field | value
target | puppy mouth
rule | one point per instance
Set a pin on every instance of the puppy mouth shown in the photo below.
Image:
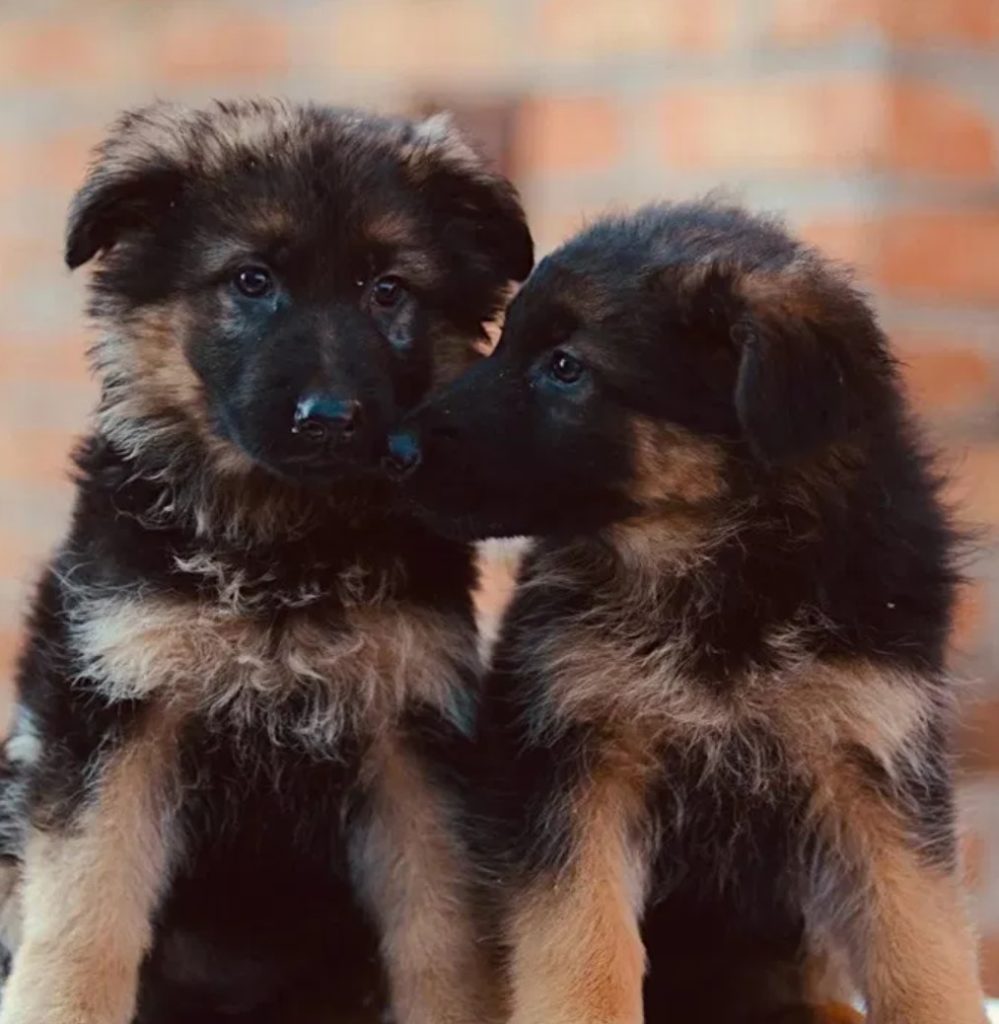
(321, 469)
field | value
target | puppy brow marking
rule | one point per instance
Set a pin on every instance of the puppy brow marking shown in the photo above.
(577, 955)
(81, 948)
(416, 878)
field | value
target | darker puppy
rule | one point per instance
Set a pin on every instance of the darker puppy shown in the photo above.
(240, 658)
(718, 717)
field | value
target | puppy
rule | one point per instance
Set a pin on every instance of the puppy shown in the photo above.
(221, 784)
(718, 717)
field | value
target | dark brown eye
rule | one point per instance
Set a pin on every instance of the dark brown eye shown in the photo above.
(565, 368)
(387, 291)
(254, 282)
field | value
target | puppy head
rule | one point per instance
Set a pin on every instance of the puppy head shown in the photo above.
(276, 281)
(663, 362)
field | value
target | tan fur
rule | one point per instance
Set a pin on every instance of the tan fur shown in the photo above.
(605, 668)
(90, 890)
(906, 929)
(791, 291)
(226, 659)
(837, 1013)
(674, 466)
(151, 391)
(576, 953)
(606, 665)
(416, 878)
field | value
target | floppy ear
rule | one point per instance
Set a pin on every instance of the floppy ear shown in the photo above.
(135, 176)
(791, 395)
(486, 223)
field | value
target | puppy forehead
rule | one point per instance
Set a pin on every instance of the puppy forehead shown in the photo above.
(289, 211)
(617, 270)
(293, 222)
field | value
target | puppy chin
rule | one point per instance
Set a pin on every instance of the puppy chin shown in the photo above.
(450, 513)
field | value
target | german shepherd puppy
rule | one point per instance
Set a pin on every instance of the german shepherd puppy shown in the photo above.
(241, 658)
(718, 714)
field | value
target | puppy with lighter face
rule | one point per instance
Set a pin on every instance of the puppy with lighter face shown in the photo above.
(717, 721)
(244, 668)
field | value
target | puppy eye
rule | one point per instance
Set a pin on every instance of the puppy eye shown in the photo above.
(387, 291)
(254, 282)
(565, 368)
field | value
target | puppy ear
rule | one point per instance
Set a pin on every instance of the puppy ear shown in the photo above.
(486, 223)
(791, 394)
(812, 358)
(136, 174)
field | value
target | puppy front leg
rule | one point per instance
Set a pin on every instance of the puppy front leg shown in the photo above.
(417, 880)
(90, 888)
(576, 952)
(904, 924)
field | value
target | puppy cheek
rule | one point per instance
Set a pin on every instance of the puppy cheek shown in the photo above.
(670, 464)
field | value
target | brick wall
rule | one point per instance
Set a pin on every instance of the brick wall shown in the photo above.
(872, 123)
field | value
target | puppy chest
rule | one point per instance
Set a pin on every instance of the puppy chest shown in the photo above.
(261, 890)
(312, 671)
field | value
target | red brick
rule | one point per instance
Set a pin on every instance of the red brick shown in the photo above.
(974, 483)
(843, 122)
(568, 134)
(585, 29)
(28, 254)
(969, 617)
(551, 228)
(948, 255)
(35, 456)
(932, 130)
(47, 359)
(51, 51)
(827, 124)
(978, 738)
(850, 238)
(61, 160)
(944, 377)
(21, 557)
(989, 959)
(935, 22)
(56, 162)
(430, 40)
(196, 44)
(941, 255)
(10, 648)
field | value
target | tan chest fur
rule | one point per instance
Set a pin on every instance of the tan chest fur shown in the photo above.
(607, 670)
(308, 672)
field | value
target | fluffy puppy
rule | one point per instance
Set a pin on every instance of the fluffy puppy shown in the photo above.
(240, 660)
(718, 715)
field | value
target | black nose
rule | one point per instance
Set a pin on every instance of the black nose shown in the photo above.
(403, 454)
(323, 418)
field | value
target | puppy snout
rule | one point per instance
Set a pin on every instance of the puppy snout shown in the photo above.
(403, 454)
(324, 419)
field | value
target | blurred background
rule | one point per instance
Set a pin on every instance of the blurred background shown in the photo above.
(872, 124)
